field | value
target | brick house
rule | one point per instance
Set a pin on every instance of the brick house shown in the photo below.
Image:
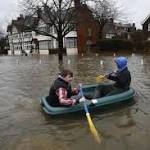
(113, 29)
(87, 27)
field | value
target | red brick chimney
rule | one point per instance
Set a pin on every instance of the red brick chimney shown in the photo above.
(81, 39)
(77, 3)
(87, 28)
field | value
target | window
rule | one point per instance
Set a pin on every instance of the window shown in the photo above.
(27, 45)
(50, 44)
(89, 32)
(109, 36)
(71, 42)
(15, 36)
(50, 30)
(55, 31)
(44, 29)
(45, 45)
(27, 34)
(149, 27)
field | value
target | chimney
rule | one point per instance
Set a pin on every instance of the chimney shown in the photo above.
(20, 17)
(111, 20)
(77, 3)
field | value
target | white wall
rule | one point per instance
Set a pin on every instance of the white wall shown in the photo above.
(9, 52)
(17, 52)
(71, 51)
(72, 34)
(44, 52)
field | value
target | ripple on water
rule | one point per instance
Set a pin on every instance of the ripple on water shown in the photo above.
(24, 126)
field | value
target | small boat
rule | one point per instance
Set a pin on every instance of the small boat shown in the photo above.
(88, 91)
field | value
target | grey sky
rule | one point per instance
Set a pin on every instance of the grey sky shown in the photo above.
(8, 10)
(136, 10)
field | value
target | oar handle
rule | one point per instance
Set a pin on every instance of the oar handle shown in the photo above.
(86, 109)
(91, 124)
(85, 106)
(80, 85)
(103, 76)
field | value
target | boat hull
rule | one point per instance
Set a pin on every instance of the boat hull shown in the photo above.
(88, 90)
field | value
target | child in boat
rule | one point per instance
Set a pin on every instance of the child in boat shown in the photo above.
(61, 93)
(121, 77)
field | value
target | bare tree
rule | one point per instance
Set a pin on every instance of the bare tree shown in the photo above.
(58, 14)
(61, 15)
(104, 10)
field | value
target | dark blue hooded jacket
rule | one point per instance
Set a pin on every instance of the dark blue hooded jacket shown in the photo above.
(122, 76)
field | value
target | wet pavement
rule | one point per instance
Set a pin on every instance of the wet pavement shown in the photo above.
(24, 126)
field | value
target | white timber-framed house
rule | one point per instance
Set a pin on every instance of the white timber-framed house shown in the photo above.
(25, 41)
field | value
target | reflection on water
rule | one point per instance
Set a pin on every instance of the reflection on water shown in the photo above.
(24, 126)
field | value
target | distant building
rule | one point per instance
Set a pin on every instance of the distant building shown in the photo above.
(146, 26)
(112, 30)
(146, 23)
(23, 40)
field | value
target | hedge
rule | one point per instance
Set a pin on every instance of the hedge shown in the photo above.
(119, 44)
(113, 44)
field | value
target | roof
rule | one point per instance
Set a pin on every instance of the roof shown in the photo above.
(23, 23)
(128, 25)
(148, 16)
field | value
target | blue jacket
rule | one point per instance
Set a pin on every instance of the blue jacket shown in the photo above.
(122, 78)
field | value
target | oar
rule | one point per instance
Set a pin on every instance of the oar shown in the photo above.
(100, 78)
(91, 125)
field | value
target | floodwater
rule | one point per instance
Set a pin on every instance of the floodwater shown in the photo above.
(24, 126)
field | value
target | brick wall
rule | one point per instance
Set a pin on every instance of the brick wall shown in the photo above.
(87, 27)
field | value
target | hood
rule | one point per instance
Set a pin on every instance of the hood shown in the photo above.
(121, 63)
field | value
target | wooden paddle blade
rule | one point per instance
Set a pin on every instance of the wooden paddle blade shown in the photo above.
(91, 125)
(100, 78)
(93, 129)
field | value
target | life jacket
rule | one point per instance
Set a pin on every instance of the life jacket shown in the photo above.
(58, 83)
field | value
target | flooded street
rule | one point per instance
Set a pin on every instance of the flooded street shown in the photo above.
(24, 126)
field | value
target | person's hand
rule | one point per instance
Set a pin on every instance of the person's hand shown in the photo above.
(75, 91)
(111, 74)
(94, 101)
(100, 78)
(82, 100)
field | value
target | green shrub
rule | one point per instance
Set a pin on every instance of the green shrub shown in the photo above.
(147, 44)
(139, 45)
